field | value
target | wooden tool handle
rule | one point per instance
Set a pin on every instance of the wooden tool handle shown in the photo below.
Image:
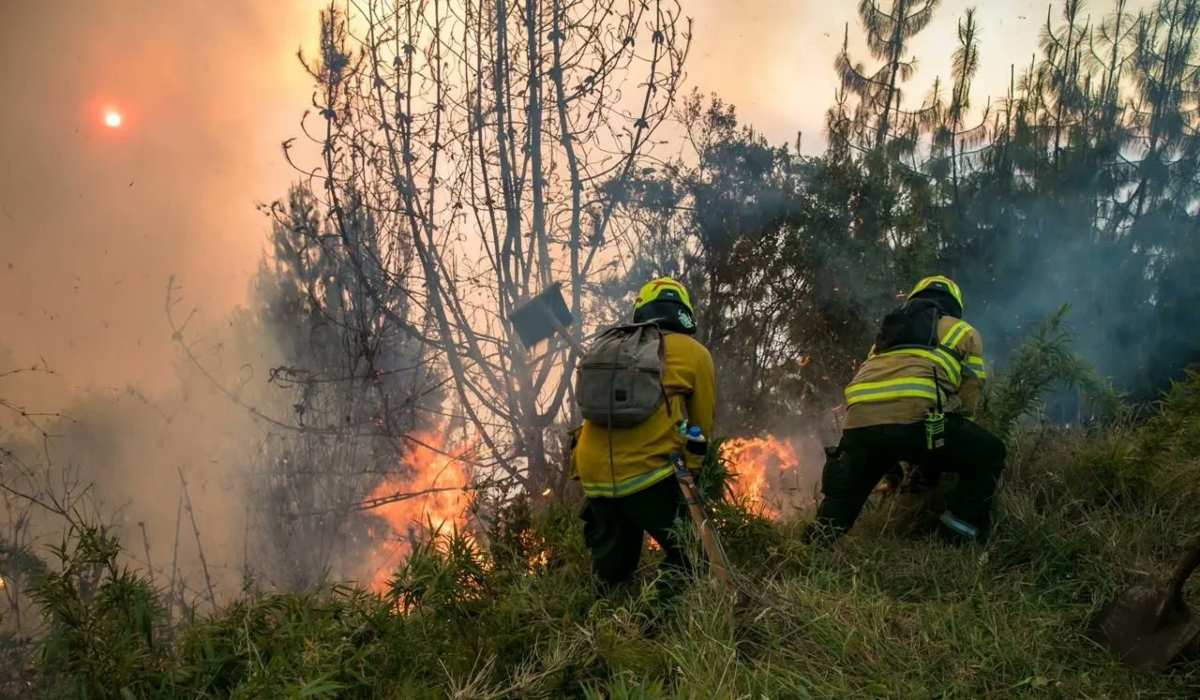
(717, 560)
(566, 334)
(1174, 592)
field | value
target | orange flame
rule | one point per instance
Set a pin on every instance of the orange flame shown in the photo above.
(759, 463)
(432, 491)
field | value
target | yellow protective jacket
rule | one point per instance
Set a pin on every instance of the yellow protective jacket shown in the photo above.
(621, 461)
(897, 386)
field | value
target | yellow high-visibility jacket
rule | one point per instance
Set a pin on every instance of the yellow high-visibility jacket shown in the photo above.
(897, 386)
(621, 461)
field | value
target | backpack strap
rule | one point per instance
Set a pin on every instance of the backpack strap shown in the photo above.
(662, 364)
(651, 326)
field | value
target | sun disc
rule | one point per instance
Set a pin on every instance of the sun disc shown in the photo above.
(112, 119)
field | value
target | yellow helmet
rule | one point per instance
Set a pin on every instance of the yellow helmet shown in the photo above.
(662, 289)
(939, 282)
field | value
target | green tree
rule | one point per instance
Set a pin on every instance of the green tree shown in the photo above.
(879, 118)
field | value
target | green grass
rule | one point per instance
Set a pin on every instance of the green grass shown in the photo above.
(1082, 513)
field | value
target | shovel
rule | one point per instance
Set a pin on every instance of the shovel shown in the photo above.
(1148, 627)
(541, 316)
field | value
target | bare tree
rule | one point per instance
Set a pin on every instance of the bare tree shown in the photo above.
(493, 140)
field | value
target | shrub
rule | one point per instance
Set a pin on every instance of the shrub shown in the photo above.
(1044, 360)
(105, 625)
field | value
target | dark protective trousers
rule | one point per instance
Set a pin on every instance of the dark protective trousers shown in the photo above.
(614, 528)
(865, 455)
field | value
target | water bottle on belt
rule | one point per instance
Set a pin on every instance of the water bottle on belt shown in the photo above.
(697, 444)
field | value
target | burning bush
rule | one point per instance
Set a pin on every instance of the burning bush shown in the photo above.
(432, 492)
(760, 466)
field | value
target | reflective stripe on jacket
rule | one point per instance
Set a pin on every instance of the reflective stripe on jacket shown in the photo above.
(897, 386)
(622, 461)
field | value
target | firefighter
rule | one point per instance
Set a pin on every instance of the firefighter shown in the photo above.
(912, 400)
(625, 471)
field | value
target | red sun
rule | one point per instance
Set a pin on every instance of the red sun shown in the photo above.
(112, 118)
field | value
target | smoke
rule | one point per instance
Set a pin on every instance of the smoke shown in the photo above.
(120, 457)
(93, 220)
(93, 223)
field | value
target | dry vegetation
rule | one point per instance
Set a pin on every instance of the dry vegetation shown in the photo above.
(513, 614)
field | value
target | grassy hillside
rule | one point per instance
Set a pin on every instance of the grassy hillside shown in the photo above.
(883, 614)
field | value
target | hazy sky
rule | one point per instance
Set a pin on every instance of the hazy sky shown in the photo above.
(93, 220)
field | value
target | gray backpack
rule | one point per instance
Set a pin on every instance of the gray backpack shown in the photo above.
(619, 381)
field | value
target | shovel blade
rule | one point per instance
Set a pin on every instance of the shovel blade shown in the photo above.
(538, 318)
(1129, 626)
